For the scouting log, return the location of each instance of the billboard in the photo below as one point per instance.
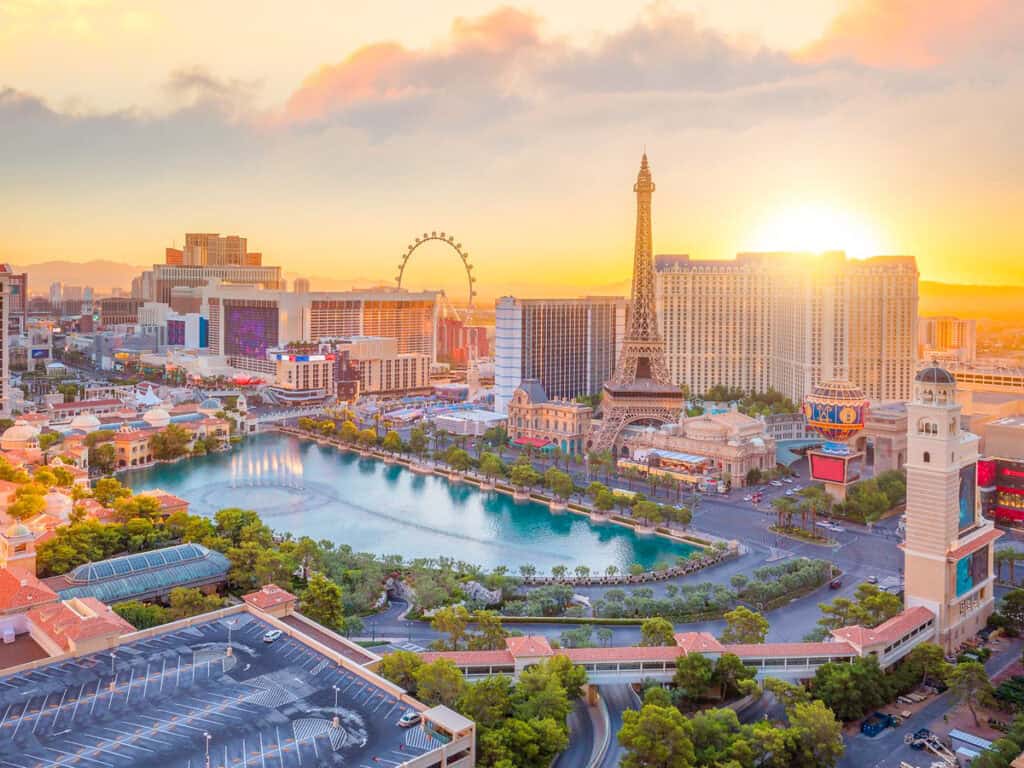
(1001, 486)
(971, 570)
(828, 469)
(249, 331)
(40, 354)
(176, 333)
(968, 494)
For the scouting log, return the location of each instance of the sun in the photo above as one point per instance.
(814, 228)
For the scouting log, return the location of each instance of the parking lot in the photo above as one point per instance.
(174, 698)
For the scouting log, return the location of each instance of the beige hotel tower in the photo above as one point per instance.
(949, 545)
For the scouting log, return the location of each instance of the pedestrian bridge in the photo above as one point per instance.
(888, 642)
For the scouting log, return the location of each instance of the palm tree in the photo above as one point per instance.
(527, 570)
(558, 571)
(786, 508)
(611, 570)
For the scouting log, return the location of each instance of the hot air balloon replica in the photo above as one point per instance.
(835, 410)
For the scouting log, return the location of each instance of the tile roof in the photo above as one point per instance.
(85, 404)
(20, 589)
(637, 653)
(764, 650)
(698, 642)
(471, 658)
(269, 596)
(71, 621)
(530, 645)
(888, 631)
(974, 545)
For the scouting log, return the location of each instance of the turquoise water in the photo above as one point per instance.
(300, 487)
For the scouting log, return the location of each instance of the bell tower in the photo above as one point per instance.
(948, 550)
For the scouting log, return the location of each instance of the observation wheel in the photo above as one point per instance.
(456, 246)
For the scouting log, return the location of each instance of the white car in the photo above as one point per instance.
(776, 483)
(271, 635)
(409, 719)
(748, 497)
(838, 528)
(787, 480)
(789, 491)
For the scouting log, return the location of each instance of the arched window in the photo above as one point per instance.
(927, 457)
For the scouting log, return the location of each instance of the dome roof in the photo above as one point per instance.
(157, 417)
(16, 530)
(20, 433)
(211, 403)
(935, 374)
(86, 422)
(838, 390)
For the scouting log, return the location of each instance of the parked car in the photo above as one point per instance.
(271, 635)
(409, 718)
(775, 483)
(748, 497)
(835, 584)
(872, 579)
(787, 480)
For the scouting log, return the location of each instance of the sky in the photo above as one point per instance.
(331, 133)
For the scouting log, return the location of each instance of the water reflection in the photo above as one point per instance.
(268, 465)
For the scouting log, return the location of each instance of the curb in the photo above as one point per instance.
(597, 757)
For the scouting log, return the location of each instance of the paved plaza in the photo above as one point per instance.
(160, 701)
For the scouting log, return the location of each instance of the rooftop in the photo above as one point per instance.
(143, 575)
(20, 589)
(149, 704)
(268, 597)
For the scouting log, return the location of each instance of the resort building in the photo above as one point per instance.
(568, 345)
(883, 441)
(245, 323)
(147, 576)
(537, 422)
(1001, 488)
(948, 549)
(380, 366)
(788, 321)
(731, 444)
(302, 377)
(6, 275)
(947, 337)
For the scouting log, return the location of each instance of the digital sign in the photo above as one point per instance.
(971, 571)
(250, 331)
(968, 494)
(176, 333)
(40, 354)
(304, 358)
(827, 468)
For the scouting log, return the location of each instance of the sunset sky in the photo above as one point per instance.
(332, 132)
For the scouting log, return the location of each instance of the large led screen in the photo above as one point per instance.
(828, 468)
(968, 492)
(971, 570)
(250, 331)
(176, 333)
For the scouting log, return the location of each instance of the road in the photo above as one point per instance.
(618, 698)
(581, 739)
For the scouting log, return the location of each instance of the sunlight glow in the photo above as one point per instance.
(814, 228)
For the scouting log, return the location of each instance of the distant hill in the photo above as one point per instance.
(102, 275)
(995, 302)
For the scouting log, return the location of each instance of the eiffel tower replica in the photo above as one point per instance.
(640, 391)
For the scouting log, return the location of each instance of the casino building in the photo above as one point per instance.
(1001, 488)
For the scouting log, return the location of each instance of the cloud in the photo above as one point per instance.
(196, 86)
(915, 34)
(477, 58)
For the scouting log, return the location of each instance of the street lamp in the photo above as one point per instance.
(113, 671)
(231, 625)
(208, 737)
(337, 720)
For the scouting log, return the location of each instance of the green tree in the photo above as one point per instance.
(730, 672)
(170, 443)
(458, 459)
(656, 737)
(392, 442)
(559, 482)
(524, 476)
(141, 615)
(103, 458)
(851, 690)
(108, 490)
(693, 677)
(367, 438)
(743, 625)
(400, 668)
(453, 621)
(439, 682)
(604, 501)
(187, 601)
(816, 735)
(657, 631)
(321, 602)
(927, 660)
(418, 441)
(487, 702)
(657, 696)
(349, 432)
(491, 466)
(490, 634)
(645, 511)
(969, 683)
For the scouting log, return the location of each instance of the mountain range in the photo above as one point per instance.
(993, 302)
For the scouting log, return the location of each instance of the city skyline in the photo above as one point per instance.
(486, 121)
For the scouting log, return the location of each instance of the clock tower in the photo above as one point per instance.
(948, 547)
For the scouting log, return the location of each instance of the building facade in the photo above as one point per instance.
(949, 545)
(536, 421)
(948, 336)
(789, 321)
(381, 368)
(568, 345)
(117, 310)
(5, 332)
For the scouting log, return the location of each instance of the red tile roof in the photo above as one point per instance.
(888, 631)
(20, 589)
(85, 404)
(638, 653)
(974, 545)
(698, 642)
(471, 658)
(530, 645)
(68, 623)
(268, 597)
(764, 650)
